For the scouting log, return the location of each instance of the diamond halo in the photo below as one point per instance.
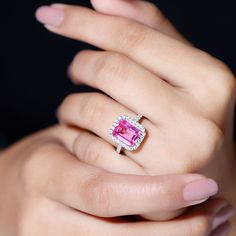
(127, 132)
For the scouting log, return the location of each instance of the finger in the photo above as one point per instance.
(71, 222)
(52, 218)
(66, 134)
(95, 151)
(96, 112)
(199, 221)
(106, 194)
(178, 63)
(128, 83)
(140, 11)
(203, 219)
(86, 110)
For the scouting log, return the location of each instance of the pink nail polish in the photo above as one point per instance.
(200, 190)
(223, 215)
(51, 16)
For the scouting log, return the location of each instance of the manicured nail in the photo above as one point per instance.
(223, 216)
(223, 230)
(49, 15)
(200, 190)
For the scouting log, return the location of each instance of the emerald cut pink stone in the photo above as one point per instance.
(127, 133)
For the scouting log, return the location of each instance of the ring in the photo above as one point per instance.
(127, 132)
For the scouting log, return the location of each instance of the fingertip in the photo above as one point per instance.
(39, 12)
(51, 16)
(200, 190)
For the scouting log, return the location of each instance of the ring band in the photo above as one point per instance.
(127, 133)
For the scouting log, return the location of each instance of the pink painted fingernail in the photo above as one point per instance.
(49, 15)
(223, 215)
(200, 190)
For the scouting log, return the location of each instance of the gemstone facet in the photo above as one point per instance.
(127, 133)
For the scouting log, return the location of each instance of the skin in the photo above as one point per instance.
(196, 92)
(69, 197)
(45, 190)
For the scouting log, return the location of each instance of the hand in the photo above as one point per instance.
(180, 82)
(45, 190)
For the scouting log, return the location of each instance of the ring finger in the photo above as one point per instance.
(96, 112)
(94, 151)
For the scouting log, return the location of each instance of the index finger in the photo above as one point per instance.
(176, 62)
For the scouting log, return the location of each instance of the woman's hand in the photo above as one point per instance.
(46, 191)
(186, 95)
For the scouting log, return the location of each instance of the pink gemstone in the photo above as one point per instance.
(126, 133)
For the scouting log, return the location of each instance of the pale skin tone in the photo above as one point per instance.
(189, 95)
(47, 191)
(195, 102)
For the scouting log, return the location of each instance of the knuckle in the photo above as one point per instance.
(162, 189)
(109, 65)
(78, 63)
(132, 37)
(87, 150)
(225, 80)
(151, 7)
(220, 79)
(155, 15)
(72, 67)
(208, 144)
(211, 141)
(201, 134)
(98, 195)
(67, 106)
(79, 56)
(91, 108)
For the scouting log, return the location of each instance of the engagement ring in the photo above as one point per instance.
(127, 132)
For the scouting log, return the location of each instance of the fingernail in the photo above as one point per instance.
(223, 230)
(200, 190)
(223, 215)
(49, 15)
